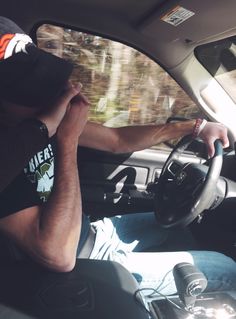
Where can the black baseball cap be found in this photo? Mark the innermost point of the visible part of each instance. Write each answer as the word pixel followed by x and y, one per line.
pixel 29 76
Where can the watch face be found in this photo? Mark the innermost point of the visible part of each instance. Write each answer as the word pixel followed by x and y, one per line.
pixel 43 127
pixel 40 125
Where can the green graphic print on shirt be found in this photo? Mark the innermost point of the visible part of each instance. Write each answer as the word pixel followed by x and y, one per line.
pixel 40 171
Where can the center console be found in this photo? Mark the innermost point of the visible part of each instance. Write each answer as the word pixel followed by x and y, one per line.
pixel 192 302
pixel 212 305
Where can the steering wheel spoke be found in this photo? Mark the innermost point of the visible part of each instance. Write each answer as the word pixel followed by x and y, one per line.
pixel 174 167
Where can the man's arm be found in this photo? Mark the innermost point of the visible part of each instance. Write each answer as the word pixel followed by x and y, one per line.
pixel 50 233
pixel 134 138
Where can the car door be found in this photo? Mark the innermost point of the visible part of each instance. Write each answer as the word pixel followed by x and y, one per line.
pixel 125 88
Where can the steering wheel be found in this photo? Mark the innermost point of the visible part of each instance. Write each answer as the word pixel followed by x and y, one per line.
pixel 184 191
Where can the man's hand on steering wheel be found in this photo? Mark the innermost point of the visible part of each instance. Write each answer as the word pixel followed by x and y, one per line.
pixel 210 133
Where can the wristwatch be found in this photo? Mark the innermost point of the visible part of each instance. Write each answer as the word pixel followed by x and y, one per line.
pixel 36 123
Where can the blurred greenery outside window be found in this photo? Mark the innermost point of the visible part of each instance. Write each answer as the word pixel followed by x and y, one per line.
pixel 124 86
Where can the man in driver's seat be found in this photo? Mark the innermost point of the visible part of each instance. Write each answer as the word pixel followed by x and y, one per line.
pixel 41 210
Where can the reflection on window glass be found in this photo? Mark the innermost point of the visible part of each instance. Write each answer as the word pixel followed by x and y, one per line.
pixel 219 58
pixel 124 86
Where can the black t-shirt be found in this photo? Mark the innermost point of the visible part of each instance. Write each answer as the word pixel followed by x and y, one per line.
pixel 33 186
pixel 22 142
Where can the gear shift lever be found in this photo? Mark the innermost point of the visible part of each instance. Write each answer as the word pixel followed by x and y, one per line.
pixel 190 283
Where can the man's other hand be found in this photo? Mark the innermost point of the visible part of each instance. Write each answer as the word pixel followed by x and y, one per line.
pixel 74 121
pixel 212 132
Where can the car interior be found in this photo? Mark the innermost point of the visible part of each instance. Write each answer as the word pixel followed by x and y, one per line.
pixel 193 43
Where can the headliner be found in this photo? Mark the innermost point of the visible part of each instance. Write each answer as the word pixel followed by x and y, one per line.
pixel 135 22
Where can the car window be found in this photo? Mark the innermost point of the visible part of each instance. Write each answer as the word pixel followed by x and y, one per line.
pixel 219 58
pixel 124 86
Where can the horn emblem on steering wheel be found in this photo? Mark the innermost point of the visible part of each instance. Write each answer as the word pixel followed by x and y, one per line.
pixel 180 178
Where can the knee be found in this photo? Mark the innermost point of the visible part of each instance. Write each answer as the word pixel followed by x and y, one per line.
pixel 219 269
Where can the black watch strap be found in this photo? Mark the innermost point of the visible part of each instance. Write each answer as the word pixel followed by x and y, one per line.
pixel 36 123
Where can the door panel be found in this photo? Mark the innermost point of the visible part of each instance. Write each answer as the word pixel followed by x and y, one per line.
pixel 117 184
